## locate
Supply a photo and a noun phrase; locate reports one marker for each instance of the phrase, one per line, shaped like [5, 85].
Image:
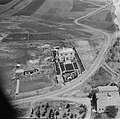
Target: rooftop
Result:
[19, 71]
[107, 88]
[65, 50]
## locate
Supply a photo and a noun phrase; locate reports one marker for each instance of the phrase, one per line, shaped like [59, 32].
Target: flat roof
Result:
[65, 50]
[107, 88]
[19, 71]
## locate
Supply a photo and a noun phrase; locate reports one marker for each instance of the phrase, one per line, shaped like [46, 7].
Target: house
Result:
[19, 73]
[66, 54]
[107, 88]
[107, 95]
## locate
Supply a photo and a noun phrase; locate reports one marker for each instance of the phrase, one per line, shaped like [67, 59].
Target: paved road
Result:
[81, 78]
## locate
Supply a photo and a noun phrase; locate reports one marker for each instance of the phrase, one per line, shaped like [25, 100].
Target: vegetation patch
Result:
[82, 6]
[101, 78]
[31, 8]
[3, 2]
[59, 109]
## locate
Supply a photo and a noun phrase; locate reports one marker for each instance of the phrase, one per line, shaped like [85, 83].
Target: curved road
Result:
[81, 78]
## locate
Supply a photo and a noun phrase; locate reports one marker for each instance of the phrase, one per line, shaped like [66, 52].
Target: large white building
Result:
[66, 54]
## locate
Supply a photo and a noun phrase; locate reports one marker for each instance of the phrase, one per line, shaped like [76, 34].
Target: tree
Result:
[37, 113]
[111, 111]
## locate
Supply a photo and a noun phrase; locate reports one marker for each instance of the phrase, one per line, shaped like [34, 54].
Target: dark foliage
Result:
[3, 2]
[111, 111]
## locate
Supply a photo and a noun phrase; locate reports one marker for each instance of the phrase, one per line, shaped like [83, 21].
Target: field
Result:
[32, 85]
[3, 2]
[109, 27]
[100, 2]
[21, 37]
[101, 78]
[16, 37]
[36, 27]
[80, 6]
[103, 20]
[68, 10]
[31, 8]
[46, 36]
[10, 6]
[50, 10]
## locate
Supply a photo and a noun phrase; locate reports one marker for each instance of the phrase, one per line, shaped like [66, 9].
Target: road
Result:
[92, 13]
[81, 78]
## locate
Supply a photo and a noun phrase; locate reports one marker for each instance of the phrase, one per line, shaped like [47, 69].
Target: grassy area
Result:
[36, 27]
[108, 26]
[101, 78]
[82, 6]
[35, 84]
[102, 20]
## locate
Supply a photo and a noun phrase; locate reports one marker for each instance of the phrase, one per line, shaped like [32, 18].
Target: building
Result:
[19, 73]
[66, 64]
[66, 54]
[107, 95]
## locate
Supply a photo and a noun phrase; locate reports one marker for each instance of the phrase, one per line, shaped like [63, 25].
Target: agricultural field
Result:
[3, 2]
[50, 10]
[25, 37]
[16, 37]
[10, 27]
[100, 2]
[30, 8]
[113, 56]
[9, 6]
[38, 28]
[80, 6]
[103, 20]
[64, 11]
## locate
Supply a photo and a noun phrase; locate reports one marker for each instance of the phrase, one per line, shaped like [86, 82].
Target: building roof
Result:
[107, 88]
[65, 50]
[34, 61]
[19, 71]
[45, 45]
